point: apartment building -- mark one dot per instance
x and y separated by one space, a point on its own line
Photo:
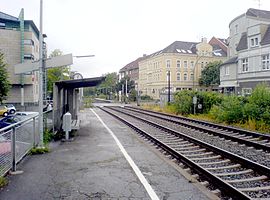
248 56
19 41
181 63
131 70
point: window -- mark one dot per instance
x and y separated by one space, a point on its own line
202 65
178 76
245 65
168 63
246 91
191 76
265 62
2 24
28 42
185 77
192 64
29 57
227 71
185 64
178 64
254 42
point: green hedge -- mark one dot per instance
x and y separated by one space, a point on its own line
228 109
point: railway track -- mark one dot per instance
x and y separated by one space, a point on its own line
234 175
249 138
254 148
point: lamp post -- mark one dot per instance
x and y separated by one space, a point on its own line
41 61
169 85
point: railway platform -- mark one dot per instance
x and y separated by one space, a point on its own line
106 160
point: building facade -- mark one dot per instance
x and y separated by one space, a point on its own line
131 70
19 41
248 55
179 64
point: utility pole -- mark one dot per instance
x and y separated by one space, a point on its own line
126 93
40 118
123 94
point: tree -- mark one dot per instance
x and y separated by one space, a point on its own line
4 82
130 84
57 73
210 75
108 86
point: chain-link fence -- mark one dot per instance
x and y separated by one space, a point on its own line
15 142
48 120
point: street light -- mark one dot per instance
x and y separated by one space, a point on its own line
85 56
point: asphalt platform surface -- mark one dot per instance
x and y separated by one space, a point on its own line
93 166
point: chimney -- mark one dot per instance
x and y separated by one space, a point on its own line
204 40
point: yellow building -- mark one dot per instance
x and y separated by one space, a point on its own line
184 61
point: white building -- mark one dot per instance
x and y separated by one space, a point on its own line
248 54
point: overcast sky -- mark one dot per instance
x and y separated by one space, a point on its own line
119 31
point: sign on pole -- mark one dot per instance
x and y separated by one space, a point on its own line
57 61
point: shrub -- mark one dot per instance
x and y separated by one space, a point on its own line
37 150
258 105
47 137
230 110
209 99
146 97
3 182
183 102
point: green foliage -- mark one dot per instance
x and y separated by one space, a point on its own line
183 102
146 98
87 102
258 106
102 96
89 91
3 182
210 74
108 87
47 137
110 82
132 95
122 82
37 150
208 99
230 110
57 73
4 82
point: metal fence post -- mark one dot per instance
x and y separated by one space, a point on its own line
34 132
13 149
53 121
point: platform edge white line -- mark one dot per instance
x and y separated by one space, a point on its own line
135 168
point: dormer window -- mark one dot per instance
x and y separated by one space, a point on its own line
254 42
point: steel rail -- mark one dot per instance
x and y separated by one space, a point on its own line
208 130
229 128
200 170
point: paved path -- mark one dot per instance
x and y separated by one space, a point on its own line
94 167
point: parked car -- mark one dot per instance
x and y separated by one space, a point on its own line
3 111
8 120
11 108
